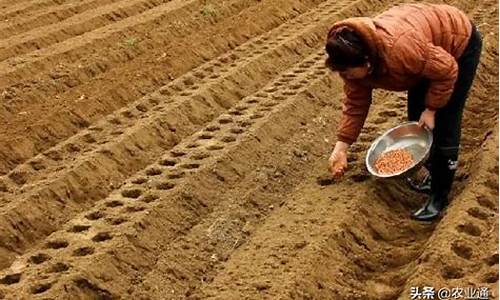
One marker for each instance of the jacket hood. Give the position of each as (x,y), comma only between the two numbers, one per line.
(364,27)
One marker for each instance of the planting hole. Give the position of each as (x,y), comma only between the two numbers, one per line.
(215,147)
(153,172)
(177,153)
(252,101)
(477,213)
(96,215)
(40,288)
(11,279)
(141,108)
(114,203)
(452,272)
(58,268)
(462,250)
(492,260)
(149,198)
(37,165)
(245,123)
(101,237)
(168,162)
(176,175)
(190,166)
(117,221)
(83,251)
(270,104)
(140,180)
(212,128)
(128,114)
(469,229)
(133,209)
(39,258)
(165,186)
(324,181)
(225,120)
(228,139)
(200,156)
(236,130)
(57,244)
(491,277)
(115,121)
(132,193)
(79,228)
(235,113)
(256,116)
(485,202)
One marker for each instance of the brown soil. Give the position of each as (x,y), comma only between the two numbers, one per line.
(172,149)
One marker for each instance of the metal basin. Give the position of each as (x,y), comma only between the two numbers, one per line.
(409,136)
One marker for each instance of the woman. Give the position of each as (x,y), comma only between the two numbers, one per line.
(432,51)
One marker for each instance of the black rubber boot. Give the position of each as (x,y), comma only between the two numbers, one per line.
(423,186)
(431,209)
(442,171)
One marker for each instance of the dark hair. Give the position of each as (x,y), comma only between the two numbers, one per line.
(346,49)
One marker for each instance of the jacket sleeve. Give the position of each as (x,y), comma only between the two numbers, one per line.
(414,55)
(355,107)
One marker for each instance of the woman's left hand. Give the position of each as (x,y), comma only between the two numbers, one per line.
(427,118)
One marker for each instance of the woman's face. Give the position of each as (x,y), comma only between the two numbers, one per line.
(356,72)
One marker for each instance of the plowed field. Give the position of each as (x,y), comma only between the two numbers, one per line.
(177,149)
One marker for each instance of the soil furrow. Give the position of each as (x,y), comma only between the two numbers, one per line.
(211,242)
(465,256)
(170,184)
(319,252)
(84,105)
(51,15)
(352,241)
(25,8)
(140,143)
(371,253)
(45,36)
(67,50)
(13,7)
(114,125)
(186,87)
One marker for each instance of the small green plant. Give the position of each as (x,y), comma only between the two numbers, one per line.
(131,42)
(208,10)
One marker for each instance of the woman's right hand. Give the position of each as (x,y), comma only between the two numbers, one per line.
(337,163)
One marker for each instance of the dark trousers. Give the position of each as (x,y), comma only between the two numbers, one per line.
(444,154)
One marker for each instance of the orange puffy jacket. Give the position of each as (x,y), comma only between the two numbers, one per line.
(408,43)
